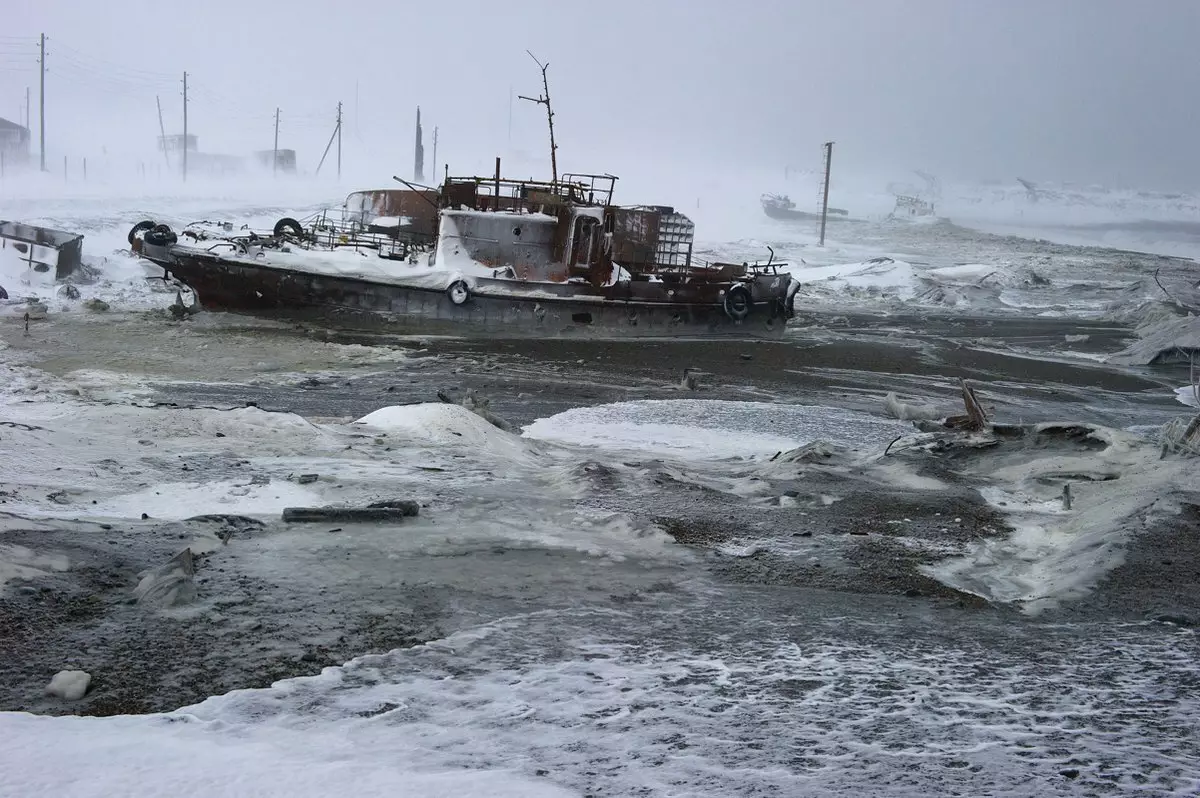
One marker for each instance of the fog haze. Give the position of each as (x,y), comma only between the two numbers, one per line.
(1093,91)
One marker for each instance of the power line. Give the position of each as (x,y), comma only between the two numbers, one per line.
(133,72)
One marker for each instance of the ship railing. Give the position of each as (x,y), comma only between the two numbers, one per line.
(698,267)
(491,193)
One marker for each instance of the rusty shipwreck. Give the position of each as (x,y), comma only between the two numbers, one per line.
(482,254)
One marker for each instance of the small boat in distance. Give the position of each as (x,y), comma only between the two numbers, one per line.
(779,206)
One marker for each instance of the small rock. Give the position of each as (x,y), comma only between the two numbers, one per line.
(1070,773)
(912,592)
(305,479)
(804,534)
(336,529)
(220,434)
(3,293)
(746,357)
(29,590)
(69,685)
(96,305)
(68,291)
(145,517)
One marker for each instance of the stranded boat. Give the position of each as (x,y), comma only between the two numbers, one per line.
(779,206)
(513,257)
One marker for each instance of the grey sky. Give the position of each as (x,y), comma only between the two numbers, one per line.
(1083,90)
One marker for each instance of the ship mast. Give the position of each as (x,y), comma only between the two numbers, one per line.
(545,100)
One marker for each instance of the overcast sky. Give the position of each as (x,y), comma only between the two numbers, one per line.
(1082,90)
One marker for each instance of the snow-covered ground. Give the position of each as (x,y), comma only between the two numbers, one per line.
(695,686)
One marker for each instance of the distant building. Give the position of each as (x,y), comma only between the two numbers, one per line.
(14,142)
(176,143)
(199,163)
(285,159)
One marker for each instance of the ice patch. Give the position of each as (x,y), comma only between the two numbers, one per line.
(19,562)
(179,500)
(880,275)
(1188,395)
(76,757)
(971,274)
(710,429)
(1055,552)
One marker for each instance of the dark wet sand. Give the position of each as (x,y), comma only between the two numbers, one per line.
(837,360)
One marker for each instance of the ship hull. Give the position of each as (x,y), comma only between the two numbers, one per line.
(494,307)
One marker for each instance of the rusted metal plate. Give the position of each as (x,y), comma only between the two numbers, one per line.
(458,195)
(415,210)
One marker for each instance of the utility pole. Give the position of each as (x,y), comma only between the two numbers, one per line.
(337,134)
(162,133)
(419,153)
(825,192)
(42,99)
(275,153)
(545,100)
(27,108)
(435,152)
(185,130)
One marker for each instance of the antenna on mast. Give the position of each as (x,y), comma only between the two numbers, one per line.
(545,100)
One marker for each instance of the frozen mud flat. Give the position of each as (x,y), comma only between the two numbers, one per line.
(647,592)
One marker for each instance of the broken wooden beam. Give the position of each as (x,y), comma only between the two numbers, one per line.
(379,511)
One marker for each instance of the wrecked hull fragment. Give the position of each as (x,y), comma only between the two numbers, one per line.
(494,307)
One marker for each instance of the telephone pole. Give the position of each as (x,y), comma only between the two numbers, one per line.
(162,141)
(337,134)
(275,154)
(27,108)
(825,191)
(185,132)
(419,153)
(42,99)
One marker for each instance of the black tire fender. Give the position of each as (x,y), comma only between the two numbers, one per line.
(738,302)
(288,225)
(459,292)
(140,227)
(160,236)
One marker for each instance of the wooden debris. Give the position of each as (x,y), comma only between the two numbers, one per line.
(380,511)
